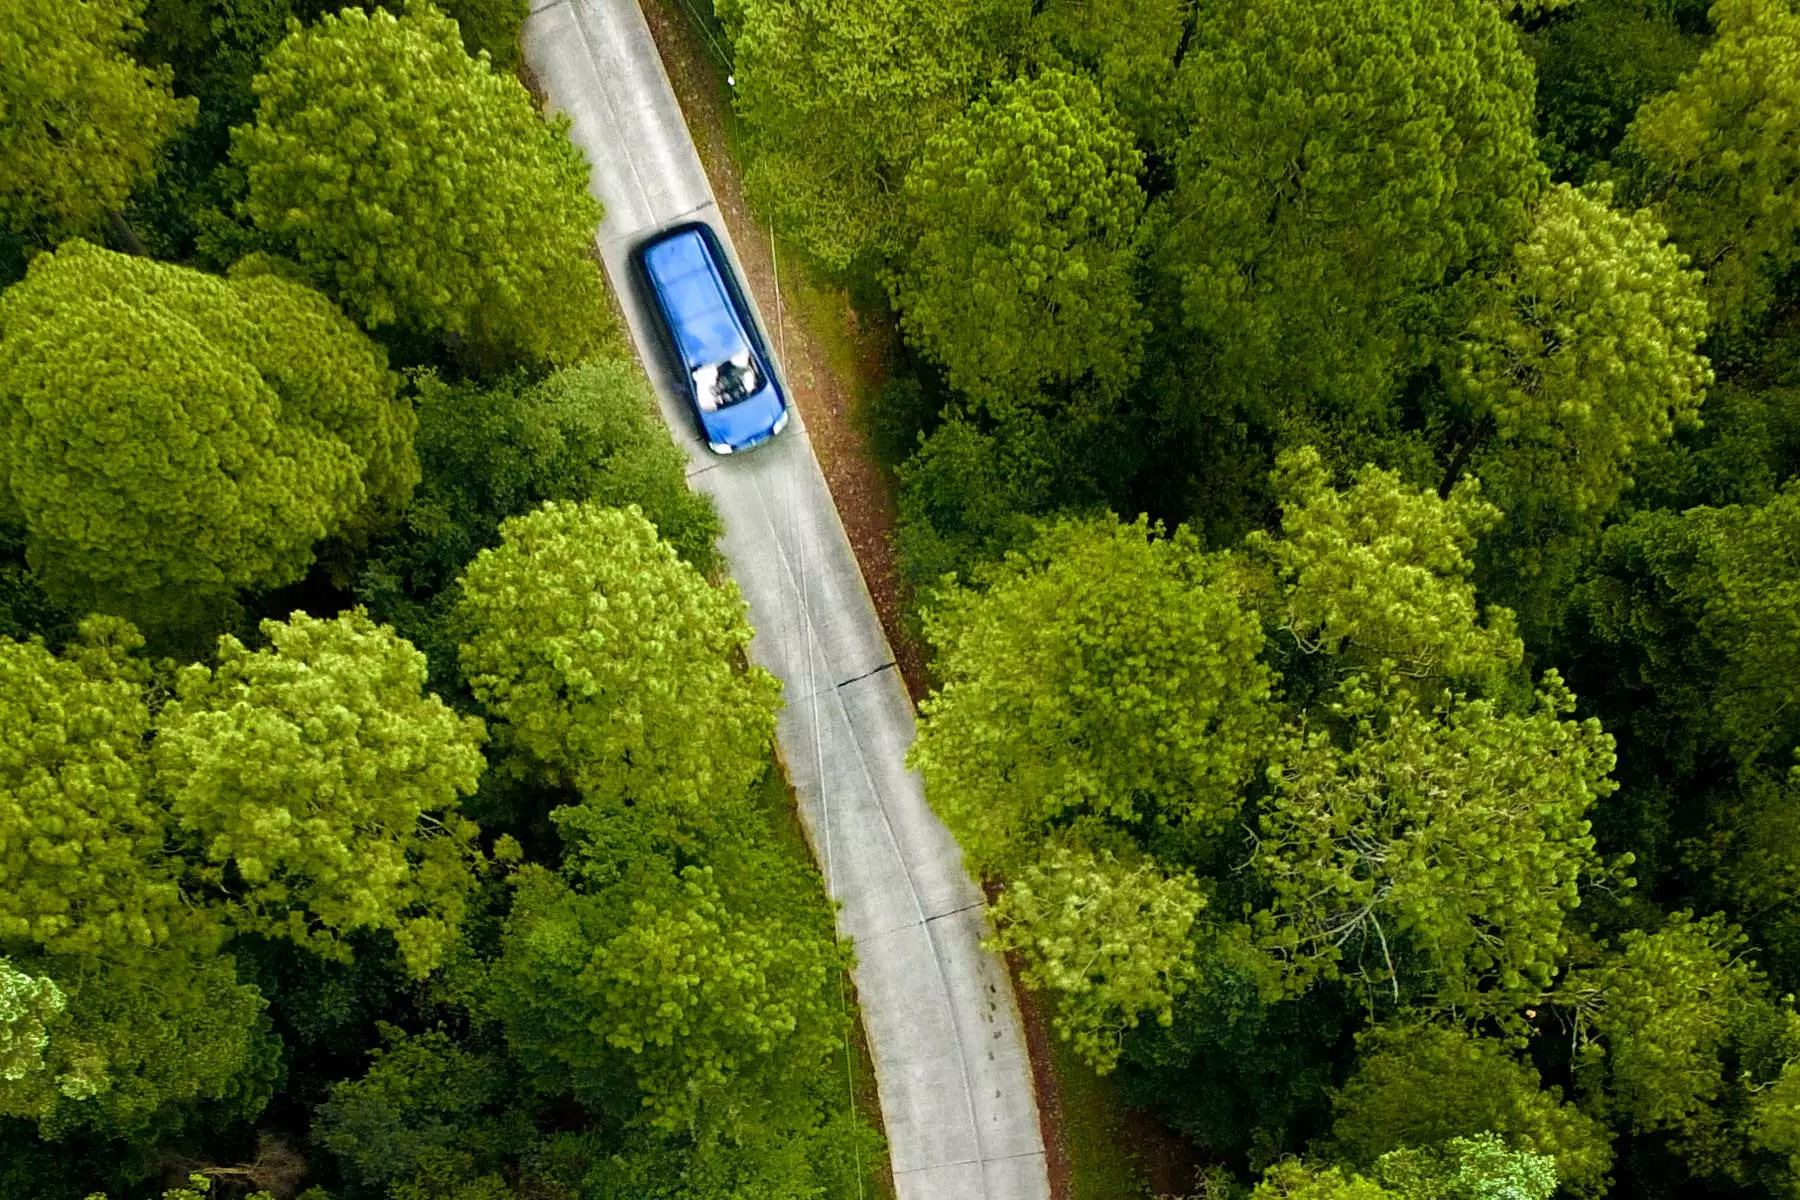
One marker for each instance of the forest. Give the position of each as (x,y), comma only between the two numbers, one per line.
(355,622)
(1347,457)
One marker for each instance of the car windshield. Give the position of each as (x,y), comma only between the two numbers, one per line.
(721,384)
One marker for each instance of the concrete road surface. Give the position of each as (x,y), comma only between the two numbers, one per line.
(950,1063)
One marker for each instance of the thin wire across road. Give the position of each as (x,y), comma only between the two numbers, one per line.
(939,1012)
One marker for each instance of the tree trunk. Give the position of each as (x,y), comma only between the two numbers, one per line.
(127,236)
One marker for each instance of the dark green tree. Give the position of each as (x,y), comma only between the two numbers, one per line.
(1021,216)
(840,97)
(1128,46)
(1342,159)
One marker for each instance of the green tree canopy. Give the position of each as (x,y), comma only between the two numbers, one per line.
(1719,155)
(135,1040)
(420,188)
(81,124)
(1378,574)
(841,95)
(698,997)
(1585,352)
(1021,214)
(319,783)
(1424,1086)
(421,1096)
(1342,157)
(1448,844)
(1129,48)
(28,1003)
(1097,705)
(488,452)
(170,436)
(1657,1017)
(1477,1168)
(1597,64)
(1108,939)
(80,833)
(1709,599)
(603,654)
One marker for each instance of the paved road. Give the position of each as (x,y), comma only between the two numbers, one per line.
(950,1064)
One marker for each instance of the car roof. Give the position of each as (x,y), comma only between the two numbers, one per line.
(685,274)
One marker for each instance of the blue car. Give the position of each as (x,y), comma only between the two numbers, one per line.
(717,346)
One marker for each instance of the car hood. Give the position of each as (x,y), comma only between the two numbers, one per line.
(746,422)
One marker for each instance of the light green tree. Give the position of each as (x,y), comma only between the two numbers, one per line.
(841,95)
(1478,1168)
(602,653)
(1378,574)
(420,188)
(1448,843)
(81,869)
(1069,693)
(1584,353)
(81,124)
(167,436)
(1426,1086)
(1109,940)
(1021,215)
(1128,46)
(319,782)
(1719,153)
(1341,159)
(1775,1123)
(1292,1179)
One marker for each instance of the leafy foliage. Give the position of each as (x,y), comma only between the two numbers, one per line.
(840,97)
(1596,66)
(1428,1086)
(604,655)
(1662,1060)
(171,436)
(1129,47)
(321,781)
(1109,940)
(1708,600)
(1719,155)
(1477,1168)
(1456,836)
(1100,708)
(1377,574)
(420,188)
(81,124)
(1021,215)
(78,826)
(703,1000)
(1340,160)
(1586,351)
